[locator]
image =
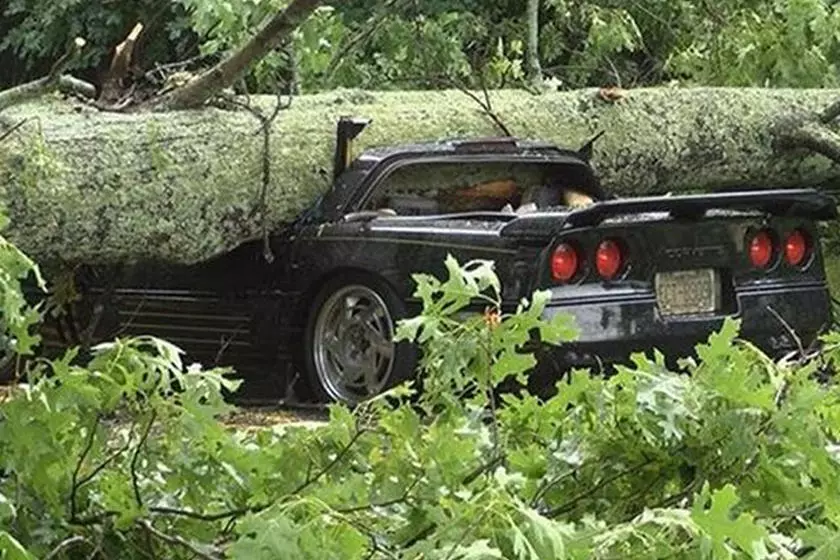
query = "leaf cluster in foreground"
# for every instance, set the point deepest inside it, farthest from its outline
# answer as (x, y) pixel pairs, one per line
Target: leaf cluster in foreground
(124, 456)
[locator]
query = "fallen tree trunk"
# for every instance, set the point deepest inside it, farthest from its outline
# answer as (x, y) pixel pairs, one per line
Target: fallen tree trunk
(82, 185)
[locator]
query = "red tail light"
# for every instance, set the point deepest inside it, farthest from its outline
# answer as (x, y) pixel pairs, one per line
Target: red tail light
(564, 263)
(796, 248)
(608, 259)
(761, 249)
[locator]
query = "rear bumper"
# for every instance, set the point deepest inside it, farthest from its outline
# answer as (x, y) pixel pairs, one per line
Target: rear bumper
(612, 326)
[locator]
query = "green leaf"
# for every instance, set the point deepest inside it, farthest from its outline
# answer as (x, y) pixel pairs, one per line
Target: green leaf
(11, 549)
(825, 541)
(719, 523)
(267, 536)
(7, 509)
(477, 550)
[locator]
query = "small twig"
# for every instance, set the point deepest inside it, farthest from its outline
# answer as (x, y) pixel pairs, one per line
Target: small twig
(178, 541)
(375, 544)
(387, 503)
(13, 129)
(209, 517)
(789, 330)
(547, 486)
(336, 460)
(485, 103)
(233, 514)
(471, 477)
(571, 504)
(226, 342)
(75, 484)
(108, 460)
(615, 73)
(162, 69)
(467, 532)
(64, 545)
(370, 27)
(134, 460)
(265, 129)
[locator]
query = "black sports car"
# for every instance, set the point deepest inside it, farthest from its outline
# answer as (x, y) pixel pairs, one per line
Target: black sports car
(640, 273)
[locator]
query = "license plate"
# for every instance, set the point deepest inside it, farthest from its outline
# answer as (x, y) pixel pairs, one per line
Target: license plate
(688, 292)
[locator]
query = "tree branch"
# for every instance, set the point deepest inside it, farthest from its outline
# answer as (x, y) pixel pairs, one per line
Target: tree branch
(135, 458)
(533, 68)
(830, 113)
(208, 84)
(471, 477)
(813, 136)
(64, 545)
(387, 503)
(74, 478)
(120, 65)
(338, 458)
(372, 25)
(35, 88)
(235, 513)
(572, 503)
(179, 541)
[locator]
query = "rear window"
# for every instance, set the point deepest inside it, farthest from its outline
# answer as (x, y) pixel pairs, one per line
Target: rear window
(443, 188)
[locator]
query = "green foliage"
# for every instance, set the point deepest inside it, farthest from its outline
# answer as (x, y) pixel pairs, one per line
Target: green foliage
(35, 33)
(125, 455)
(441, 43)
(17, 318)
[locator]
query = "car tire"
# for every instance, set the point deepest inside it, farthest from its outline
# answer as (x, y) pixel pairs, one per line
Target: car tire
(8, 369)
(349, 353)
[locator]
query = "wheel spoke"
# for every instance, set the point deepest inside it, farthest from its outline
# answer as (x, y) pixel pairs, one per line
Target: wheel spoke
(333, 347)
(354, 375)
(370, 312)
(350, 304)
(371, 374)
(382, 346)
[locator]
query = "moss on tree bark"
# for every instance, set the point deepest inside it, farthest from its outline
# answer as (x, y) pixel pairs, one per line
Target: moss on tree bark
(82, 185)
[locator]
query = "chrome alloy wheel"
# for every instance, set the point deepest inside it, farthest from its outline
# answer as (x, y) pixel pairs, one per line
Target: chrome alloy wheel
(353, 346)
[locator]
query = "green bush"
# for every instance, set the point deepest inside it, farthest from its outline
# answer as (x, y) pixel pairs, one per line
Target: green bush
(125, 456)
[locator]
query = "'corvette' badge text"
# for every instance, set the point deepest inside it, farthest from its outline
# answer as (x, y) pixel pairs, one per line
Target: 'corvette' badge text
(694, 252)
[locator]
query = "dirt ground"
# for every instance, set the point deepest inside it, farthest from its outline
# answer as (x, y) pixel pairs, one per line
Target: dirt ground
(251, 415)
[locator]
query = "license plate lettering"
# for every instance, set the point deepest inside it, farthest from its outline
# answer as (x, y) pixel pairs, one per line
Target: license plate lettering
(688, 292)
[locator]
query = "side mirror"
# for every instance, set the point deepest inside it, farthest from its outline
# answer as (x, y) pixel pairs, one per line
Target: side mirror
(347, 131)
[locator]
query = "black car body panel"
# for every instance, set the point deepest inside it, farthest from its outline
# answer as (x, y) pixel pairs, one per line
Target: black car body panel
(248, 312)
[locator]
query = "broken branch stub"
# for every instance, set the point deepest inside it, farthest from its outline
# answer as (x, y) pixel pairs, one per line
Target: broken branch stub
(120, 66)
(45, 84)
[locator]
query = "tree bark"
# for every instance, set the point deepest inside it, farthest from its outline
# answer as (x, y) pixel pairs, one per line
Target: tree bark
(534, 69)
(88, 186)
(208, 84)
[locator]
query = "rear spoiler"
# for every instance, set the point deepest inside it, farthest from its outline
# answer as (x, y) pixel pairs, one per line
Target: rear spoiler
(803, 203)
